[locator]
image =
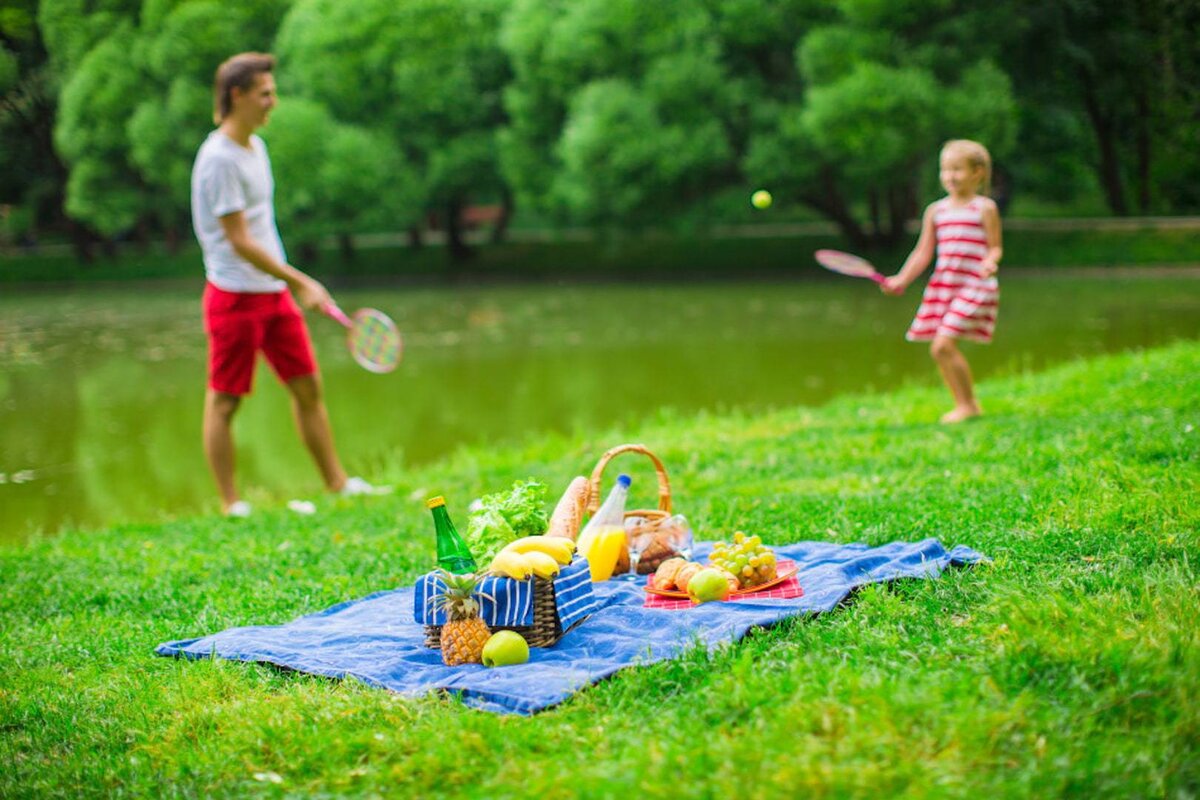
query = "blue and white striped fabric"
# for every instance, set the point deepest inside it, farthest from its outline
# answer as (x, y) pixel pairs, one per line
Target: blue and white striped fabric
(505, 602)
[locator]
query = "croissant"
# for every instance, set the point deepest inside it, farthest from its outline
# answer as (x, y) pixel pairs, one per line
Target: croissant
(664, 576)
(685, 574)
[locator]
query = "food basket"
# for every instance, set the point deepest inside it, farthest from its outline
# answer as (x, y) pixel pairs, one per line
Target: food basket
(659, 521)
(547, 627)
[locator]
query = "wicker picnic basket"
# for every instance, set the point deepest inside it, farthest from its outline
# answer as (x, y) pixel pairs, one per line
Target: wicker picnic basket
(545, 631)
(659, 521)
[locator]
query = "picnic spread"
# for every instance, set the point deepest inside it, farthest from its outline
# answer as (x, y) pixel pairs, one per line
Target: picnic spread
(526, 609)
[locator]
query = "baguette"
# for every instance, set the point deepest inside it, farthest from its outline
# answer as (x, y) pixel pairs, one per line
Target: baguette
(568, 514)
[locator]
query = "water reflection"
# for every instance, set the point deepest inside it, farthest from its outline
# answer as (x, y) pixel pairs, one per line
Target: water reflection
(101, 391)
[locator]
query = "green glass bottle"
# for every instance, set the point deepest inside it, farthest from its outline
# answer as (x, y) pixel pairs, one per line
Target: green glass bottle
(453, 555)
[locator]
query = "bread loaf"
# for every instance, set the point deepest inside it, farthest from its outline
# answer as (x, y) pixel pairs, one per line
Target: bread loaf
(568, 514)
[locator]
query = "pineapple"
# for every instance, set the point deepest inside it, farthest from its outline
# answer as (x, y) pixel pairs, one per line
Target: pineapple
(464, 634)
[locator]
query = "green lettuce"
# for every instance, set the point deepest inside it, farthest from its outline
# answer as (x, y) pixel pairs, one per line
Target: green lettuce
(497, 519)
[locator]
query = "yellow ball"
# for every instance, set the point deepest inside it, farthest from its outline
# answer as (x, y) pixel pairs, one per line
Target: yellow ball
(761, 199)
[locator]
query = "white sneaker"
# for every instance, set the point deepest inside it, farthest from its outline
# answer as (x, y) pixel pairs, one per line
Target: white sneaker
(305, 507)
(356, 487)
(239, 508)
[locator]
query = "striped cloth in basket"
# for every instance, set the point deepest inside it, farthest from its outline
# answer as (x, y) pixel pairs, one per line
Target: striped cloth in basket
(508, 602)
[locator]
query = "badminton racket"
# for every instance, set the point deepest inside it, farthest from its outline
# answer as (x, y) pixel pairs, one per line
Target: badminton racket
(847, 264)
(371, 337)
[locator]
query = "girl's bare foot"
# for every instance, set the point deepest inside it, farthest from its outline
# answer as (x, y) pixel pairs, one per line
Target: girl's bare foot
(960, 414)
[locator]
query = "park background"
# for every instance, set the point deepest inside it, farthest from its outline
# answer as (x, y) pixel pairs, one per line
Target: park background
(552, 198)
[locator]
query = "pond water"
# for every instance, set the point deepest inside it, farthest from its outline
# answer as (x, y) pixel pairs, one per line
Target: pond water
(101, 389)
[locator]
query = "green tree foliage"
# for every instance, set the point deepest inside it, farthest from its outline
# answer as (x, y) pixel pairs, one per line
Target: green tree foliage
(31, 176)
(425, 75)
(604, 112)
(137, 103)
(104, 189)
(620, 112)
(333, 178)
(645, 109)
(1113, 86)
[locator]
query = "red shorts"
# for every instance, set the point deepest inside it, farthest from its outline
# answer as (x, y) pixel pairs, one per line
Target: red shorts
(239, 325)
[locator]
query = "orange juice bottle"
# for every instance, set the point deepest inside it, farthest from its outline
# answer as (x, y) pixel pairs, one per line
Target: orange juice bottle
(602, 538)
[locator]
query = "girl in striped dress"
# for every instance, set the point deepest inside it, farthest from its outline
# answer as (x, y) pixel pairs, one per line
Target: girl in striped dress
(961, 299)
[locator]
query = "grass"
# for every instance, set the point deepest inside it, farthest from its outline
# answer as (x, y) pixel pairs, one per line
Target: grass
(1068, 667)
(631, 256)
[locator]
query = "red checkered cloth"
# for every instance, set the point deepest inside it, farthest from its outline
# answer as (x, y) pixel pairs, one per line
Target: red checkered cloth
(787, 590)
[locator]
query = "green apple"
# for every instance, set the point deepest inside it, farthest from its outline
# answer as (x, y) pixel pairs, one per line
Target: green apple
(505, 648)
(707, 584)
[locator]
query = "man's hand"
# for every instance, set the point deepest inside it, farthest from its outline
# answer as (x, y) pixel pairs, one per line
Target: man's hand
(311, 294)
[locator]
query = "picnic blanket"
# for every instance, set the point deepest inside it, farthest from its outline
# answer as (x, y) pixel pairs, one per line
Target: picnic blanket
(375, 640)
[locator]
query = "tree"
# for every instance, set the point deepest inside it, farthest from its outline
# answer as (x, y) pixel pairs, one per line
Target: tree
(424, 74)
(333, 178)
(625, 112)
(32, 178)
(1130, 73)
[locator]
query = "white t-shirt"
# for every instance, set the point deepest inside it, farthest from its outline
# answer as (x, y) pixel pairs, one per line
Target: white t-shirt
(227, 177)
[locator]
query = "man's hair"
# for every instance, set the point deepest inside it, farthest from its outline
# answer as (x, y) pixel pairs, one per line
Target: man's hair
(240, 71)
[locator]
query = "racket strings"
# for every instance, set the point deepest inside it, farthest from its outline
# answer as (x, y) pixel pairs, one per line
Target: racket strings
(375, 343)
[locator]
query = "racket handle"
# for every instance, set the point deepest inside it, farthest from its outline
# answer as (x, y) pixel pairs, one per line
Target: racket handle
(875, 276)
(332, 310)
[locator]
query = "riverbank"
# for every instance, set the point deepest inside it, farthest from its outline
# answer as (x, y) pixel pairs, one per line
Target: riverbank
(732, 251)
(1071, 665)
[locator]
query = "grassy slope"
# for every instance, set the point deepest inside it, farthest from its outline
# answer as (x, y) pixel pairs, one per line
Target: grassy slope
(1071, 666)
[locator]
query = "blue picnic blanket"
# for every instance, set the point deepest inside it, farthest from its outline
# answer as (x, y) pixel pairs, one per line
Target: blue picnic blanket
(375, 640)
(507, 602)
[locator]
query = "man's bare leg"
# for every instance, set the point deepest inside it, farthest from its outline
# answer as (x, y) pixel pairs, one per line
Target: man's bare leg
(219, 409)
(956, 372)
(312, 419)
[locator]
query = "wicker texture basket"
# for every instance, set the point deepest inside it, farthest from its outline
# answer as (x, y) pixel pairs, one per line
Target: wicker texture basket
(545, 631)
(659, 520)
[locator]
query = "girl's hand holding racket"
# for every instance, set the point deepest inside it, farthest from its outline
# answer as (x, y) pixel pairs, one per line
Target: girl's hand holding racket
(855, 267)
(371, 337)
(892, 285)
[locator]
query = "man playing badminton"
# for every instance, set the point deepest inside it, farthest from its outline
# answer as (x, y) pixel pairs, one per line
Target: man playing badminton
(248, 300)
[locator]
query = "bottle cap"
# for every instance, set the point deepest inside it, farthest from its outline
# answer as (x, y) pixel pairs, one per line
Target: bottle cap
(624, 480)
(434, 502)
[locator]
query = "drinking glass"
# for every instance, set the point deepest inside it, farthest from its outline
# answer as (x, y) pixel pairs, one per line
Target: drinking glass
(638, 542)
(680, 539)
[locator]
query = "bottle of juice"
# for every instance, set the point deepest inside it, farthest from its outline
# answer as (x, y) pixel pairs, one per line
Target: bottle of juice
(602, 538)
(453, 555)
(605, 551)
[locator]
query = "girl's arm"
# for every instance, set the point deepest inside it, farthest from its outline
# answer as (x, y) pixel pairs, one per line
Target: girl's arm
(917, 260)
(991, 228)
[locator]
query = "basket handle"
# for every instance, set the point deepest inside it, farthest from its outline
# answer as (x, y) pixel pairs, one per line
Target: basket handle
(664, 485)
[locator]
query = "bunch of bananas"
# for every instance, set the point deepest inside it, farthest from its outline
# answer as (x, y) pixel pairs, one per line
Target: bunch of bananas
(533, 555)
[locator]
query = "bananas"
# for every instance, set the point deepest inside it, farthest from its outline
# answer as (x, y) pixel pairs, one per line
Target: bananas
(543, 566)
(532, 555)
(556, 547)
(511, 565)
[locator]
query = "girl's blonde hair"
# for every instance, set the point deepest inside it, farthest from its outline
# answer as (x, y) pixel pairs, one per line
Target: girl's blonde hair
(976, 155)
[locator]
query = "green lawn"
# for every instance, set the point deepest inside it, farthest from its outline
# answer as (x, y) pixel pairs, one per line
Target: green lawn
(1068, 667)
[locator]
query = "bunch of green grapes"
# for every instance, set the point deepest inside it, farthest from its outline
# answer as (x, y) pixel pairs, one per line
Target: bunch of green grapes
(746, 558)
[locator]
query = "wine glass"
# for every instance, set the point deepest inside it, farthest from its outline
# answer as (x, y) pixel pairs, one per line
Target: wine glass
(680, 538)
(638, 542)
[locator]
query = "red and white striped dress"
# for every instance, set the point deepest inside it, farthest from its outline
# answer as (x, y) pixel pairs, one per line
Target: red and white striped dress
(959, 301)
